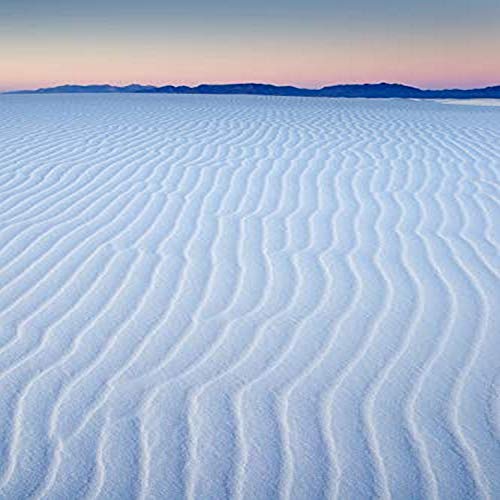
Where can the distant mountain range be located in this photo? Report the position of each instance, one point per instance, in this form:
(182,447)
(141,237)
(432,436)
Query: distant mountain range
(367,90)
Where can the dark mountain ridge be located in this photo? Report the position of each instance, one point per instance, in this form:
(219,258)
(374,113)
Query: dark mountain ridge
(366,90)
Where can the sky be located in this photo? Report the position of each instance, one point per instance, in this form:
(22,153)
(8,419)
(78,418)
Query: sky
(309,43)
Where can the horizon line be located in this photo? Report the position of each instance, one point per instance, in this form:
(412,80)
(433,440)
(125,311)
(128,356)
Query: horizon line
(132,83)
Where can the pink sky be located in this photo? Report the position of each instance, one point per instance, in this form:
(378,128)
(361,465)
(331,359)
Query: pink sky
(34,57)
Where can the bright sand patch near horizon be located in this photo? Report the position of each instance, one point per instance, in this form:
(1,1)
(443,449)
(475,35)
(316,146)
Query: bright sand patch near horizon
(471,102)
(248,297)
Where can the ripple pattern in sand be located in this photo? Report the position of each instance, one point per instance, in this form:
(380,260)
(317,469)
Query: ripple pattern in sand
(248,297)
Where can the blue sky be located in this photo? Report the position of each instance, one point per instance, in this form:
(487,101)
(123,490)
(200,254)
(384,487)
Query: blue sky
(426,43)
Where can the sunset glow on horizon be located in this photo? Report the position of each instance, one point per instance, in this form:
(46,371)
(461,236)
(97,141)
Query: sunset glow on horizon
(311,45)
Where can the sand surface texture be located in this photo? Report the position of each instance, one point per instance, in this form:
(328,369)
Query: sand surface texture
(248,297)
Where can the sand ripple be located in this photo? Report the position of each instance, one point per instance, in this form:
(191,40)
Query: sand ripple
(248,297)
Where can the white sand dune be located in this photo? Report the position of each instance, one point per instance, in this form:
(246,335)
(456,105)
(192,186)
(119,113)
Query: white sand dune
(248,297)
(471,102)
